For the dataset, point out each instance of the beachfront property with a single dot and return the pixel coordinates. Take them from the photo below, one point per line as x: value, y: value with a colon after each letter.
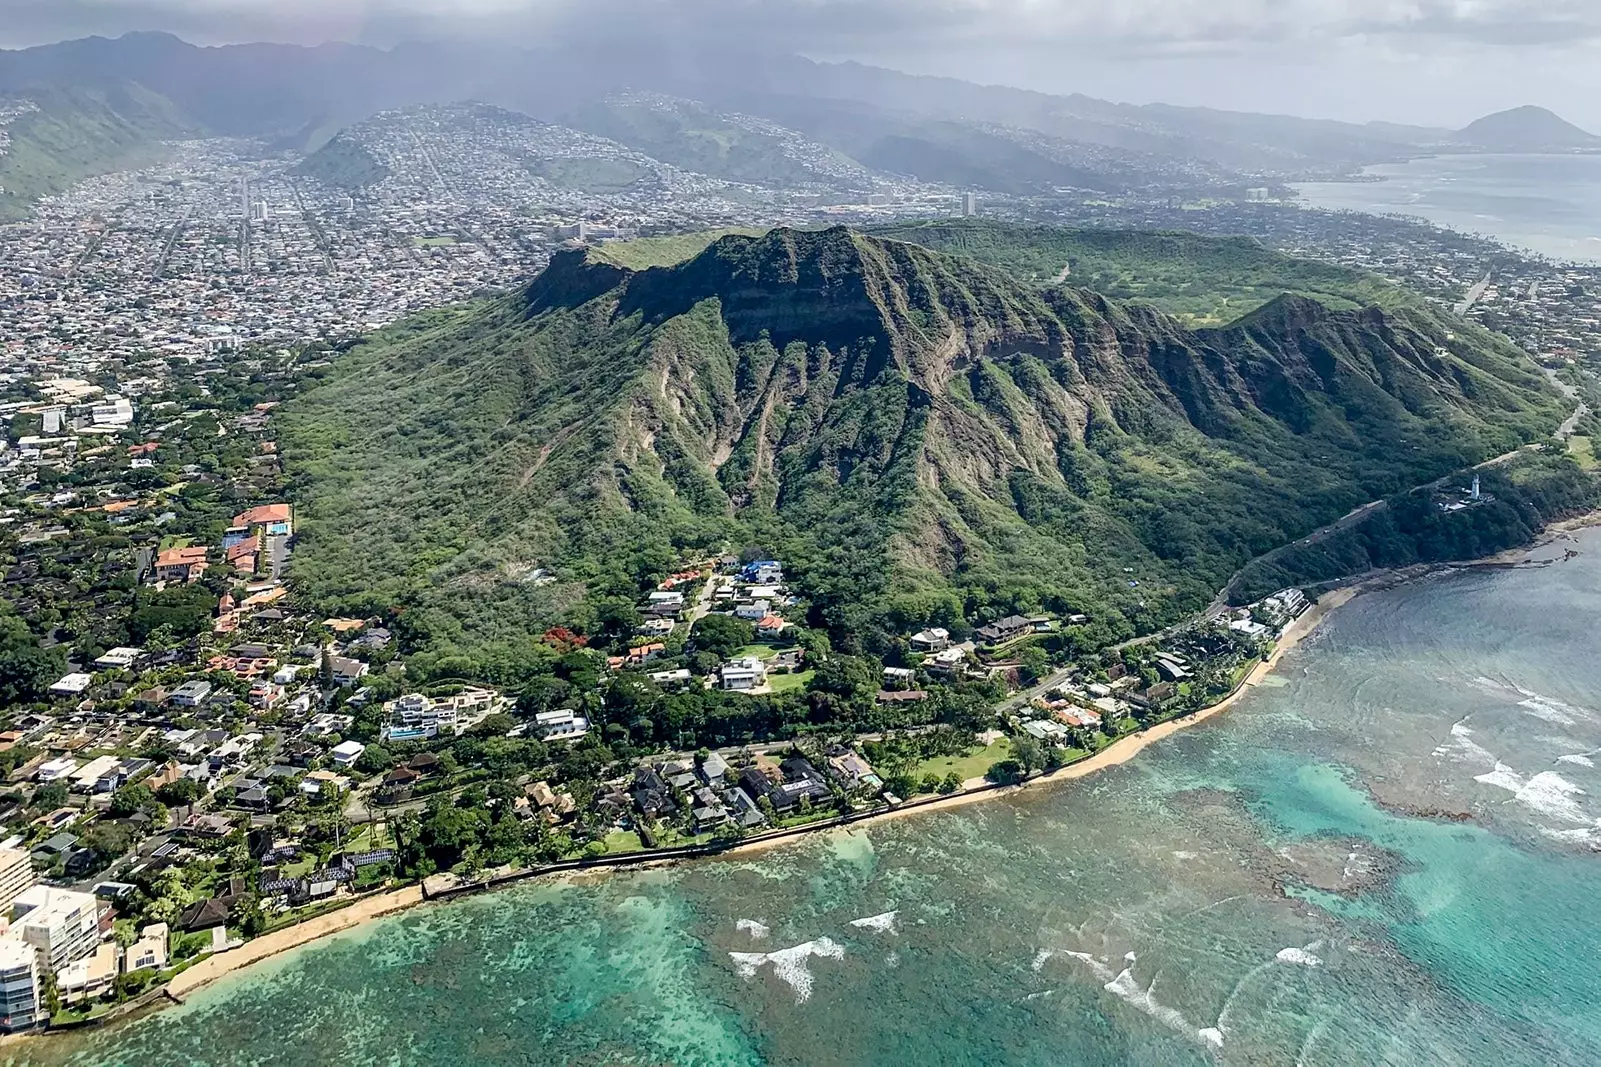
x: 20, y: 1004
x: 62, y: 925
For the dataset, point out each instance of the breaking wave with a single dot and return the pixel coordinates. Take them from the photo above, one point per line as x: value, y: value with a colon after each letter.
x: 883, y: 923
x: 789, y: 964
x: 757, y: 931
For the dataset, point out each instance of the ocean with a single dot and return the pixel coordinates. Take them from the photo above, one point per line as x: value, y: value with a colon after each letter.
x: 1382, y: 856
x: 1546, y: 204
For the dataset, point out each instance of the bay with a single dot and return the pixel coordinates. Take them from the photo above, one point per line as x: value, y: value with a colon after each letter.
x: 1382, y: 856
x: 1549, y: 204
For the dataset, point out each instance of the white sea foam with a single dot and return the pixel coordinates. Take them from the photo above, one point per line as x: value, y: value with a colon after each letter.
x: 1463, y: 748
x: 1040, y: 958
x: 1584, y: 835
x: 789, y: 964
x: 757, y: 931
x: 1503, y: 777
x: 1184, y: 854
x: 1097, y: 967
x: 883, y: 923
x: 1551, y: 795
x: 1123, y: 986
x: 1298, y: 956
x: 1548, y: 710
x: 1578, y: 758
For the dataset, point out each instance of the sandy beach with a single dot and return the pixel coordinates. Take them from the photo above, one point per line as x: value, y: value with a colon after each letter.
x: 258, y: 949
x: 323, y: 926
x: 1125, y: 749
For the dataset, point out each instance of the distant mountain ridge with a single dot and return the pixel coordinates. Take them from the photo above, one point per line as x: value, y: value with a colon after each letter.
x: 936, y: 129
x: 921, y: 436
x: 1527, y: 129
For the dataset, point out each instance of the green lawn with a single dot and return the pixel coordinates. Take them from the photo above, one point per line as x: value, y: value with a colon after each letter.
x: 786, y: 683
x: 437, y: 241
x: 972, y: 765
x: 622, y: 841
x: 1582, y: 449
x: 761, y: 652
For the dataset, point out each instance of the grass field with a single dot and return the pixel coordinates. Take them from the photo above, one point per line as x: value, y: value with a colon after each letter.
x: 761, y: 652
x: 972, y: 765
x: 437, y: 241
x: 623, y: 841
x: 1583, y: 449
x: 786, y: 683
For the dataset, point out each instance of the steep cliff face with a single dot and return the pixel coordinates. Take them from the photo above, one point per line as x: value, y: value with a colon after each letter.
x: 921, y: 433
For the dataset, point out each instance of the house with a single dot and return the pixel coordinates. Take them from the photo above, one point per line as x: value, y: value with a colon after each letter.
x: 190, y: 694
x: 55, y: 770
x: 120, y: 658
x: 854, y: 771
x: 745, y: 811
x: 1004, y: 630
x: 949, y: 661
x: 899, y: 677
x: 901, y: 696
x: 664, y: 603
x: 657, y: 627
x: 744, y: 674
x: 562, y: 725
x: 671, y: 679
x: 150, y: 951
x: 265, y: 695
x: 935, y: 639
x: 269, y: 519
x: 652, y: 796
x: 753, y: 611
x: 181, y: 564
x: 311, y: 785
x: 346, y: 753
x: 770, y: 626
x: 713, y: 769
x: 70, y: 685
x: 346, y: 671
x: 203, y: 915
x: 763, y: 572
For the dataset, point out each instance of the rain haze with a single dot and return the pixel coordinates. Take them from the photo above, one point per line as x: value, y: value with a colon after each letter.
x: 1429, y: 62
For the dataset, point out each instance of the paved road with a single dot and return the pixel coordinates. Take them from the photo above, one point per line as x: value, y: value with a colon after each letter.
x: 1474, y: 294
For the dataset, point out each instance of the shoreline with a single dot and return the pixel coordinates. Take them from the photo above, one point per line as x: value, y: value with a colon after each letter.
x: 975, y: 790
x: 393, y: 902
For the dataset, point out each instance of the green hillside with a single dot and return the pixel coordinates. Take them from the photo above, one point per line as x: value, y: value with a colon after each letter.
x: 77, y: 134
x: 696, y: 138
x: 343, y: 163
x: 1205, y: 281
x: 920, y: 436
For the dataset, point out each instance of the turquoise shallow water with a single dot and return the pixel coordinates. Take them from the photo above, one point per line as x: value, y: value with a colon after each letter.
x: 1263, y: 889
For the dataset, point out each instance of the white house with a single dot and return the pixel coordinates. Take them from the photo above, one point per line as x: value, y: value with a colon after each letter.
x: 935, y: 639
x: 562, y: 725
x: 120, y: 658
x: 71, y: 685
x: 747, y: 673
x: 346, y: 753
x: 56, y: 769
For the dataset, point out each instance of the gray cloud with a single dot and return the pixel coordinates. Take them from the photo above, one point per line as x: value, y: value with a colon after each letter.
x: 1430, y: 60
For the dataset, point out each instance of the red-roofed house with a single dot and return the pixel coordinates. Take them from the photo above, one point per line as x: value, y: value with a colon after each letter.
x: 267, y: 519
x: 181, y: 564
x: 770, y: 626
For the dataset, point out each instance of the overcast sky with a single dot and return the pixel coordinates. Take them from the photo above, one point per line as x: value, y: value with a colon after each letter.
x: 1428, y: 61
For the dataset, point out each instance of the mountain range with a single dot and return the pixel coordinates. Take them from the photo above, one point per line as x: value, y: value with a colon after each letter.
x: 922, y: 436
x: 935, y: 129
